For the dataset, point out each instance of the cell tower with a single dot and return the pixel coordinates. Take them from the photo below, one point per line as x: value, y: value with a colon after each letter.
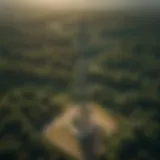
x: 80, y: 128
x: 86, y: 129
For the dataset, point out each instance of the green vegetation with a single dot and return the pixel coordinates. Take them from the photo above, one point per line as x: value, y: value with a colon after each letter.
x: 36, y: 69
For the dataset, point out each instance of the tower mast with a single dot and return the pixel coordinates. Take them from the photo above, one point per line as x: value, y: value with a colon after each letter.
x: 86, y: 129
x: 80, y: 84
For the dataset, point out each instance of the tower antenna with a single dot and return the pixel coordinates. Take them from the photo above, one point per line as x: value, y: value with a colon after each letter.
x: 86, y: 129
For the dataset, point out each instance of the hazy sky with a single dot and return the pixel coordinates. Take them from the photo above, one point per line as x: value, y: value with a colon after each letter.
x: 96, y: 3
x: 85, y: 3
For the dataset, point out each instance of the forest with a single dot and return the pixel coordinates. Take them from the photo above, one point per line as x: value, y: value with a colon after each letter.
x: 37, y: 59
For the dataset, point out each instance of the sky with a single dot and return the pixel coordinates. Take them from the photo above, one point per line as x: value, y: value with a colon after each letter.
x: 107, y: 4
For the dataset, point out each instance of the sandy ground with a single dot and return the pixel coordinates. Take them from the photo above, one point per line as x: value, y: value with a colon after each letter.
x: 61, y: 132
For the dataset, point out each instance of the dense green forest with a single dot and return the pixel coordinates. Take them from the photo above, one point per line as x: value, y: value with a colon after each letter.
x: 37, y: 59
